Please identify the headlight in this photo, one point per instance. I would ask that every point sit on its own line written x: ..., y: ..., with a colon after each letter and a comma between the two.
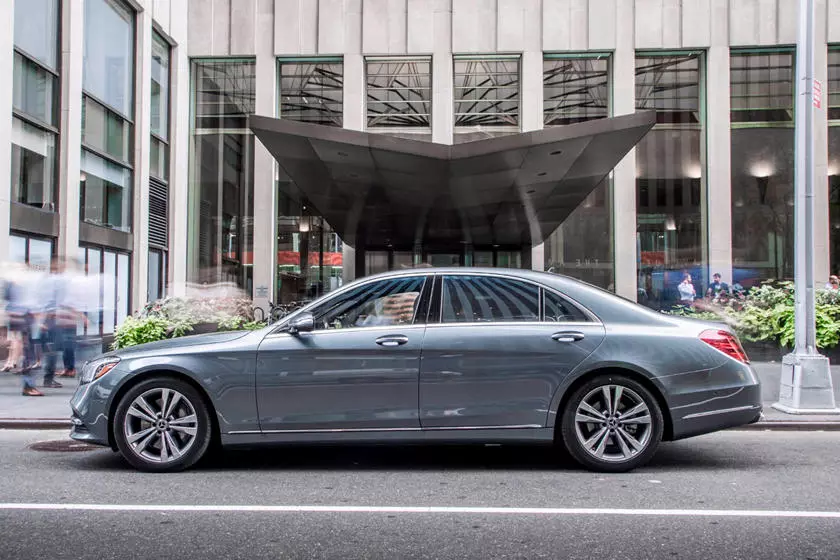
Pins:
x: 97, y: 368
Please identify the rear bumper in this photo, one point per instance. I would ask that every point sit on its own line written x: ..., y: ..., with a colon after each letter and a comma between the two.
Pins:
x: 720, y: 409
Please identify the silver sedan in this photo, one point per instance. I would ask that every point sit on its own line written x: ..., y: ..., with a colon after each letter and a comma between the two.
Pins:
x: 431, y: 355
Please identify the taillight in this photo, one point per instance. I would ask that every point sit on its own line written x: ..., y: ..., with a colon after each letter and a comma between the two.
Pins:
x: 726, y: 342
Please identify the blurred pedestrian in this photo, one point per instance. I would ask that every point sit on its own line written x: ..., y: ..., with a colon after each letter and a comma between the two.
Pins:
x: 687, y: 291
x: 833, y: 283
x: 718, y: 289
x: 14, y: 293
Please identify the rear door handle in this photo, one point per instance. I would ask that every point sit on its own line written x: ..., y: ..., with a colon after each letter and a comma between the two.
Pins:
x: 392, y: 340
x: 571, y: 336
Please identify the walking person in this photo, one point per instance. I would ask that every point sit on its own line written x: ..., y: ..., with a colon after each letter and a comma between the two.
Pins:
x: 687, y: 291
x: 53, y: 336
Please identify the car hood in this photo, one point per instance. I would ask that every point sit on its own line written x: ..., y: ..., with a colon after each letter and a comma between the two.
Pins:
x: 180, y: 342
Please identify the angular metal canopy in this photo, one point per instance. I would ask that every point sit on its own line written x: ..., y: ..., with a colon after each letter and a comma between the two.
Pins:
x: 383, y: 191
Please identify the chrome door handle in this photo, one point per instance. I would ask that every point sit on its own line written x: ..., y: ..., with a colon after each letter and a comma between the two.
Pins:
x: 572, y: 336
x: 392, y: 340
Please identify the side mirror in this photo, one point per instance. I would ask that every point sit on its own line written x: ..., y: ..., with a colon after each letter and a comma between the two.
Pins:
x: 304, y: 322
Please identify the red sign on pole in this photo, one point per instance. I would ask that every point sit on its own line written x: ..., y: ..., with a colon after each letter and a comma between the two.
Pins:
x: 817, y: 94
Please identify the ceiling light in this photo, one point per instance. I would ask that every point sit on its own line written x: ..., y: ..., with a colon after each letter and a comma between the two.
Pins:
x: 556, y: 153
x: 342, y: 154
x: 542, y: 174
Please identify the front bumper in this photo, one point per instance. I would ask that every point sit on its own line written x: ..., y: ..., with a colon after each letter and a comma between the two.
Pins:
x: 89, y: 418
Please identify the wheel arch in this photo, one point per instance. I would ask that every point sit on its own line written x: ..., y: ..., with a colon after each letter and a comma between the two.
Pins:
x: 643, y: 378
x: 162, y: 373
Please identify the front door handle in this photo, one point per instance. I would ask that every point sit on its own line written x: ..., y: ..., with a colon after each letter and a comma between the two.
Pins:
x: 392, y: 340
x: 570, y: 336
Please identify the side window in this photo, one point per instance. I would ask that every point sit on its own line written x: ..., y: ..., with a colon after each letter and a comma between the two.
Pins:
x: 558, y: 310
x: 477, y: 299
x: 387, y: 302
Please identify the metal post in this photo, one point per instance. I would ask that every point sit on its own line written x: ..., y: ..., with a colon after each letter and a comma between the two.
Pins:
x: 806, y: 386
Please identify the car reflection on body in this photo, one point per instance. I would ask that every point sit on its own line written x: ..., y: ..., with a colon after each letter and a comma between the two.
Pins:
x: 428, y: 355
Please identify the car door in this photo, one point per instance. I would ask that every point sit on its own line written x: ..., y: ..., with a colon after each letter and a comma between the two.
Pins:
x: 496, y: 349
x: 358, y: 369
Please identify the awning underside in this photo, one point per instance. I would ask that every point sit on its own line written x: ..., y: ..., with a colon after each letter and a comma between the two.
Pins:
x: 381, y: 191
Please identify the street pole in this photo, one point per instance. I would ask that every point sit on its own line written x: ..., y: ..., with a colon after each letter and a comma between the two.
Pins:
x: 806, y: 386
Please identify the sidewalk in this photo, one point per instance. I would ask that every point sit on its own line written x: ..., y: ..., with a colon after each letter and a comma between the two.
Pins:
x: 53, y: 410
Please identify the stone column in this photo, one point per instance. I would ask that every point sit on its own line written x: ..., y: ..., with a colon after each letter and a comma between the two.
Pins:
x: 70, y: 156
x: 142, y: 127
x: 179, y: 152
x: 354, y: 119
x: 7, y: 43
x: 265, y: 204
x: 532, y: 119
x: 624, y: 177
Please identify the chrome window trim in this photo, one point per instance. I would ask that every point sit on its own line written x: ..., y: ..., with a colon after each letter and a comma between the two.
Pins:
x: 376, y: 328
x: 516, y: 324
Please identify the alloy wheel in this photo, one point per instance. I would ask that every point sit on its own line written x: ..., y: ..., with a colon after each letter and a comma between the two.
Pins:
x: 160, y: 425
x: 613, y: 423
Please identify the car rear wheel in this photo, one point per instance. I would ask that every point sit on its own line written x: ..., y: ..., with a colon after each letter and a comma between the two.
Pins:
x: 162, y: 425
x: 612, y: 424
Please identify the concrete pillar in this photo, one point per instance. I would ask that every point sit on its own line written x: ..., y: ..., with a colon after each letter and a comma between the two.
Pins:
x: 718, y: 148
x: 7, y: 42
x: 265, y: 204
x: 624, y: 176
x: 443, y: 86
x: 70, y: 156
x: 822, y: 225
x: 179, y: 151
x: 354, y: 119
x: 142, y: 126
x: 531, y: 113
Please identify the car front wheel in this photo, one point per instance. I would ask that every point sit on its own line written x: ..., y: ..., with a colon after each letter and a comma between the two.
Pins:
x: 612, y: 424
x: 162, y: 425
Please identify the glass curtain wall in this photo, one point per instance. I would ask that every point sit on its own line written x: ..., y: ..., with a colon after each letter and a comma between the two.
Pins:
x: 399, y: 97
x: 111, y: 307
x: 487, y: 97
x: 222, y: 179
x: 762, y: 101
x: 35, y: 252
x: 309, y: 252
x: 159, y: 170
x: 670, y: 178
x: 834, y: 157
x: 107, y: 113
x: 576, y: 88
x: 35, y: 88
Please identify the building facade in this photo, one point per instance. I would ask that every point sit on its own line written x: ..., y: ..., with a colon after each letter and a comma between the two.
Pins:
x: 129, y: 151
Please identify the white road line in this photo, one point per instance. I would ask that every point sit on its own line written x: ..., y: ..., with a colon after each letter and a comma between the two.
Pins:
x: 422, y: 509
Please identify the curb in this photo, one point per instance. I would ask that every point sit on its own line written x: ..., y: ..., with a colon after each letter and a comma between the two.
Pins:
x: 34, y: 424
x: 789, y: 426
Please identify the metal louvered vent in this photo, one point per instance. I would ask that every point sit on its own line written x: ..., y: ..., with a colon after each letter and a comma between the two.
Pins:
x: 158, y: 213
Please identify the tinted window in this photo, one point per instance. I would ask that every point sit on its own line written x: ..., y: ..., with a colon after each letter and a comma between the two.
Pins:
x: 558, y: 310
x: 387, y: 302
x: 471, y: 299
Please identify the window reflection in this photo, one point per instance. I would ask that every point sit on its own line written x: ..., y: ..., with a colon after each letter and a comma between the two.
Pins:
x: 399, y: 96
x: 670, y: 179
x: 762, y: 97
x: 486, y: 97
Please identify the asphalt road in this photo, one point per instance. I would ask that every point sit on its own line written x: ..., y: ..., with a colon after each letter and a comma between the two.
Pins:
x: 729, y: 495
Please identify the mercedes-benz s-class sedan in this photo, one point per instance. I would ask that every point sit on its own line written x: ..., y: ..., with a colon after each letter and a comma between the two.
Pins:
x: 428, y: 355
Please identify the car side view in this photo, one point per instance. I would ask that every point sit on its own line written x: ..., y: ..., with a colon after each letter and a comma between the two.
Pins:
x: 461, y: 355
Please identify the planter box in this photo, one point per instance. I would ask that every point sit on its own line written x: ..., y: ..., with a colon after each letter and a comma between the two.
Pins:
x: 772, y: 352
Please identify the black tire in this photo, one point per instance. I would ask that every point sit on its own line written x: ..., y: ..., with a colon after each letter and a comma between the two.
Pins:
x: 203, y: 426
x: 611, y: 463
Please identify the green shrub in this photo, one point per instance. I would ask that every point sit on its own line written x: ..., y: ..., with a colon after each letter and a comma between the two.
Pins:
x: 134, y: 331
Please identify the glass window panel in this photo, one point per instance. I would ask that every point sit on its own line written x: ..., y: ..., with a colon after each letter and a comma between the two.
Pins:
x: 36, y: 30
x: 109, y: 54
x: 106, y: 131
x: 478, y: 299
x: 762, y: 139
x: 486, y: 97
x: 387, y: 302
x: 154, y: 275
x: 834, y: 156
x: 94, y: 268
x: 312, y: 92
x: 160, y: 87
x: 106, y: 193
x: 33, y: 166
x: 575, y: 89
x: 399, y: 94
x: 40, y: 254
x: 17, y: 249
x: 558, y: 310
x: 158, y: 159
x: 123, y: 282
x: 224, y: 93
x: 34, y: 91
x: 109, y: 292
x: 669, y: 159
